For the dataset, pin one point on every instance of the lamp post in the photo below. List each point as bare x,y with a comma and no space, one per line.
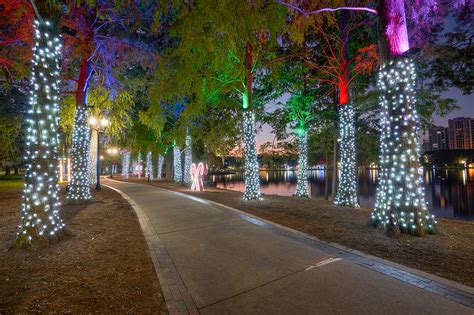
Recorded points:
97,124
112,151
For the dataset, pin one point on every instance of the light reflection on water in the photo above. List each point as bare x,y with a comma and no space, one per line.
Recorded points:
449,192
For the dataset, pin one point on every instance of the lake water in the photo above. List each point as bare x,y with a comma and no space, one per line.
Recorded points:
449,192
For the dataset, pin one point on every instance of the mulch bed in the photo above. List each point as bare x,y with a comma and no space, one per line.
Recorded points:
103,266
449,253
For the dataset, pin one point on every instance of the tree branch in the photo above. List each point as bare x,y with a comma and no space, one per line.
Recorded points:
367,9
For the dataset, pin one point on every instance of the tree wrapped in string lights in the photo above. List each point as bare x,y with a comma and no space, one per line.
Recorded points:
149,165
79,185
40,219
93,158
125,163
302,175
300,110
400,202
159,170
347,192
188,159
177,166
252,180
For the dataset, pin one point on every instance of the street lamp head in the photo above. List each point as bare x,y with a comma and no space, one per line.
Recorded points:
104,122
114,151
92,121
109,150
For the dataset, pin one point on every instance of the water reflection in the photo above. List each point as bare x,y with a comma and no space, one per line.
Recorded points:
449,192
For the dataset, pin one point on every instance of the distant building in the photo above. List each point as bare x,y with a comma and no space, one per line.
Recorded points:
461,133
438,139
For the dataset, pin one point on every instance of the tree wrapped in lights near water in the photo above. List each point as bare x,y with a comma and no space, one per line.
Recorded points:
400,202
40,219
300,111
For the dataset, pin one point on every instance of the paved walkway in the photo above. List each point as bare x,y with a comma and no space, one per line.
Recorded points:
211,259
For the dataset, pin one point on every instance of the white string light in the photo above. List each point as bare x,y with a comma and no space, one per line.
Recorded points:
149,166
252,180
125,163
346,194
159,173
177,167
79,185
302,174
93,159
188,157
138,165
40,217
400,202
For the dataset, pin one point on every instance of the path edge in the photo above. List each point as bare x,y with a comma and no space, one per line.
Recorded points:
177,297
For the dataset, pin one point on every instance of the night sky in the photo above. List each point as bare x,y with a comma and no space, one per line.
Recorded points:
466,102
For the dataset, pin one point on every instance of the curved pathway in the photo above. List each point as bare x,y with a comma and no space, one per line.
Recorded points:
212,259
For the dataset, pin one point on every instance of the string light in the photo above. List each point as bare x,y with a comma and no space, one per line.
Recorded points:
346,194
302,174
400,202
178,172
40,217
138,165
79,186
125,163
187,159
93,159
149,166
252,180
161,159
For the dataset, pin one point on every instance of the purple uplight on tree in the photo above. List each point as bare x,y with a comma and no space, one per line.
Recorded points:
396,33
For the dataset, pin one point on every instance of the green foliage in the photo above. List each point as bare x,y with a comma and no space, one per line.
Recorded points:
117,110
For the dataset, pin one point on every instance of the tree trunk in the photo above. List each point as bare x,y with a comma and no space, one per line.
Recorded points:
79,185
326,177
93,158
400,203
188,159
252,180
302,175
159,172
169,165
16,170
177,166
346,194
149,165
334,171
40,219
7,170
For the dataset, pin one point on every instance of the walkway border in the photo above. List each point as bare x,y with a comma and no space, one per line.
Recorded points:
448,289
177,297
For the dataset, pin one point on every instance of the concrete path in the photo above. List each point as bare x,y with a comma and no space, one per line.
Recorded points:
214,260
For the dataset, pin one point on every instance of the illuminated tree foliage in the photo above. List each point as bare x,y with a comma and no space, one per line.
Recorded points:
16,21
223,53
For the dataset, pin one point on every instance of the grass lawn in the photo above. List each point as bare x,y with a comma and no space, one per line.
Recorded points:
9,184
